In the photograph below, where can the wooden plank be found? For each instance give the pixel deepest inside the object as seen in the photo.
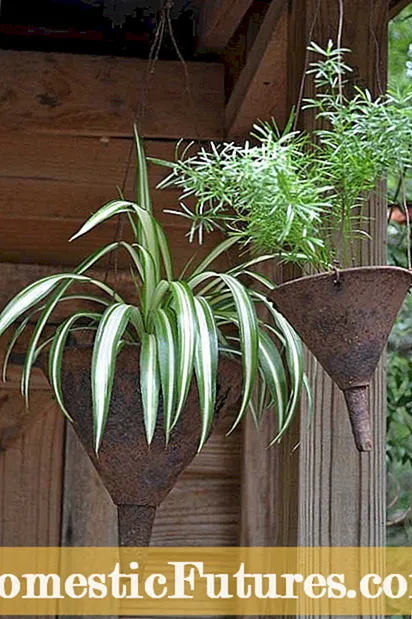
(86, 170)
(219, 20)
(269, 506)
(22, 240)
(260, 91)
(84, 494)
(31, 475)
(77, 161)
(54, 183)
(76, 94)
(396, 6)
(70, 177)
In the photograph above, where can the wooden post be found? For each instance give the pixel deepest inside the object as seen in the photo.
(325, 493)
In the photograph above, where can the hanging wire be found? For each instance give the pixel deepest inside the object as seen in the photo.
(154, 51)
(169, 6)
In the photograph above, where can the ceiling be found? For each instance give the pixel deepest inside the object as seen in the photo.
(121, 27)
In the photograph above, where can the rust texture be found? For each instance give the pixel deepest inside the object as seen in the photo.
(345, 319)
(357, 401)
(135, 524)
(138, 476)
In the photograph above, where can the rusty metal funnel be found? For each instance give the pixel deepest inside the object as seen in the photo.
(345, 319)
(136, 476)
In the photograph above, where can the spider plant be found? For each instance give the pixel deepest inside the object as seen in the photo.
(182, 325)
(299, 194)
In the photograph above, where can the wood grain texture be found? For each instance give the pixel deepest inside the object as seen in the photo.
(53, 183)
(260, 91)
(31, 476)
(34, 240)
(65, 176)
(101, 95)
(219, 20)
(347, 509)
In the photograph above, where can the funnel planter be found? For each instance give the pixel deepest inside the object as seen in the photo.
(138, 477)
(345, 319)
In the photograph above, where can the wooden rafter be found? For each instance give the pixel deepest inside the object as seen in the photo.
(83, 95)
(260, 92)
(219, 20)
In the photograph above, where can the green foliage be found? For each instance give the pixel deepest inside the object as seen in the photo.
(400, 50)
(298, 195)
(399, 385)
(180, 324)
(275, 192)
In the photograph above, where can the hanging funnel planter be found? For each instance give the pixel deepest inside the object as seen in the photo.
(345, 319)
(139, 477)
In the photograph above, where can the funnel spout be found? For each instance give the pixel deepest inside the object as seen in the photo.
(135, 524)
(357, 401)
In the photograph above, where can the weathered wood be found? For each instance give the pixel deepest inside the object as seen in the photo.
(101, 96)
(54, 183)
(31, 476)
(16, 245)
(323, 506)
(269, 509)
(70, 177)
(260, 91)
(219, 20)
(396, 6)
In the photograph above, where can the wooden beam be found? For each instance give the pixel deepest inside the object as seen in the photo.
(396, 6)
(219, 20)
(322, 506)
(54, 183)
(260, 91)
(101, 96)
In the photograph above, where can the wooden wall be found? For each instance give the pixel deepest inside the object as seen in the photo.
(65, 126)
(65, 132)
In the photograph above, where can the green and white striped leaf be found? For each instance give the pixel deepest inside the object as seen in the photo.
(295, 363)
(215, 253)
(206, 360)
(56, 354)
(21, 327)
(111, 328)
(114, 207)
(249, 339)
(158, 296)
(142, 178)
(167, 355)
(186, 340)
(149, 383)
(274, 375)
(165, 252)
(68, 279)
(28, 297)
